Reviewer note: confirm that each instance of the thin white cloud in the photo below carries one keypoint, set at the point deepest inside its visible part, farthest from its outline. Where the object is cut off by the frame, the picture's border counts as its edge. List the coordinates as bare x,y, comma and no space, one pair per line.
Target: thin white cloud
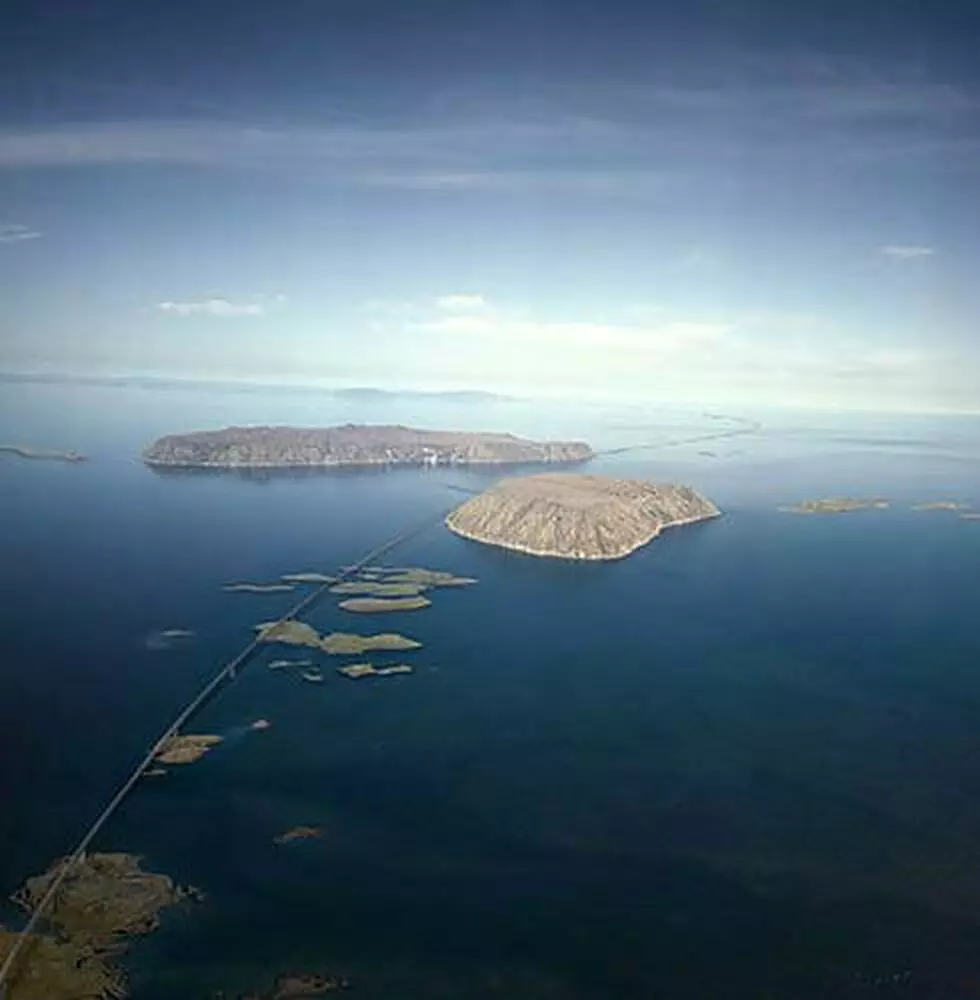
14,232
462,303
906,251
669,337
440,154
847,98
460,324
390,307
664,351
604,141
212,307
607,183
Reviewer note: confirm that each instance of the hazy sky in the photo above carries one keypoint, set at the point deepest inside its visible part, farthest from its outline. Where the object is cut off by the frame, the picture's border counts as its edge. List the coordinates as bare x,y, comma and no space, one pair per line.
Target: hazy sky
722,202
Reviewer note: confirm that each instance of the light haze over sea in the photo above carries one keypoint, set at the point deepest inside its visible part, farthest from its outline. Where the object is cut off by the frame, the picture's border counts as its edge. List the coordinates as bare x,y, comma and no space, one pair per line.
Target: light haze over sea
740,763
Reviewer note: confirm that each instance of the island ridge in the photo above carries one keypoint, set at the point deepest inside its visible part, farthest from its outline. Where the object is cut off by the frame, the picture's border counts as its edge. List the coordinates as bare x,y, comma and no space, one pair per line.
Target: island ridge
351,445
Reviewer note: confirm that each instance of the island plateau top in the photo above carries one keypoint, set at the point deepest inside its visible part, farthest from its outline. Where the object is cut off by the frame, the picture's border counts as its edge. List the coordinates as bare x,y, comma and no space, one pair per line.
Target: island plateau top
352,444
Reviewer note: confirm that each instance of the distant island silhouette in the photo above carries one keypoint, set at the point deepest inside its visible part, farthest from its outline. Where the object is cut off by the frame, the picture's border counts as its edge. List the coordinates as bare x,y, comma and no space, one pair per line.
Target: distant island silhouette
41,454
163,382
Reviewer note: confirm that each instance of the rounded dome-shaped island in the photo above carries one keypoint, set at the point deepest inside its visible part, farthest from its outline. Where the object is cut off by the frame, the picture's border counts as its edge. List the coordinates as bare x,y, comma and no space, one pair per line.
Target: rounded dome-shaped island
570,516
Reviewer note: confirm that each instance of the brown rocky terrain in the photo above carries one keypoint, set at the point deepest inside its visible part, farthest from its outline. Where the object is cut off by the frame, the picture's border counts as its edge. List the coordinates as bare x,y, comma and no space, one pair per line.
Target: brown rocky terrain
186,749
351,444
104,901
576,517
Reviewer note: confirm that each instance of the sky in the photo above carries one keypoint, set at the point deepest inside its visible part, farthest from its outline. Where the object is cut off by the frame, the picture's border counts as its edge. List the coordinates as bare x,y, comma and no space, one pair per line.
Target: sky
725,202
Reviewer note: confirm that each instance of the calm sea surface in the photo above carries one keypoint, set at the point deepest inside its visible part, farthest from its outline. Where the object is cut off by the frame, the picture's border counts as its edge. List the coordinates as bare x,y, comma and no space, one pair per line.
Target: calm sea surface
743,763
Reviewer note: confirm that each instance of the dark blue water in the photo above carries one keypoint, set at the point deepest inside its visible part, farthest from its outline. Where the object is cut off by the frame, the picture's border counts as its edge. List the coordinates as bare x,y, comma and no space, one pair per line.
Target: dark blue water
744,762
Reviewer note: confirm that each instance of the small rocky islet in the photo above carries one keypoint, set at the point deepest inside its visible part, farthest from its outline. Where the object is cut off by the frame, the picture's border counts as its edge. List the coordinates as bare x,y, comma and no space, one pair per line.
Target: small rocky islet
844,505
284,664
297,633
416,576
376,588
383,605
307,578
358,670
187,748
836,505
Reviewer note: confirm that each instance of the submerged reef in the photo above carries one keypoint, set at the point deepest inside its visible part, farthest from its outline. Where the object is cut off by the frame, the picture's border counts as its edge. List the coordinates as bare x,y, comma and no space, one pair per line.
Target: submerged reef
298,833
169,638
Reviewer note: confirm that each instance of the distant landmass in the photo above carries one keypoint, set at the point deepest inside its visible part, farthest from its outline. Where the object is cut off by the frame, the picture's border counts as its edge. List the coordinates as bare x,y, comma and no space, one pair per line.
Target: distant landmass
359,393
369,393
41,454
577,517
351,445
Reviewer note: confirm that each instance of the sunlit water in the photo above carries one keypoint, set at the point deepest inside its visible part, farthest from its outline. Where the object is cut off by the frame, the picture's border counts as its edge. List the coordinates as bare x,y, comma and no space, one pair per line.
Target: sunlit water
744,762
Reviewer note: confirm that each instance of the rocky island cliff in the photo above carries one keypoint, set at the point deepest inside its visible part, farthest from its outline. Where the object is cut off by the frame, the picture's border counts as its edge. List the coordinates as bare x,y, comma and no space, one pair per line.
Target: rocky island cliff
577,517
351,445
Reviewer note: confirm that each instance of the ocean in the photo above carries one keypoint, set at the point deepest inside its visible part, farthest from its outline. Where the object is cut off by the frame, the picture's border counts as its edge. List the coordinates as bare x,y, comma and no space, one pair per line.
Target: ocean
742,763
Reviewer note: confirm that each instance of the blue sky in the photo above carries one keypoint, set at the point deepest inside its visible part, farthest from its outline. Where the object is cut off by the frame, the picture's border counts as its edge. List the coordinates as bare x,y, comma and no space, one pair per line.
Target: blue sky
731,203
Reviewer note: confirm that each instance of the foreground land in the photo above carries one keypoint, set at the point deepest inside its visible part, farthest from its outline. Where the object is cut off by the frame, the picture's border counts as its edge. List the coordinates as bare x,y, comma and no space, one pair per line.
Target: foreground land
351,445
576,517
104,901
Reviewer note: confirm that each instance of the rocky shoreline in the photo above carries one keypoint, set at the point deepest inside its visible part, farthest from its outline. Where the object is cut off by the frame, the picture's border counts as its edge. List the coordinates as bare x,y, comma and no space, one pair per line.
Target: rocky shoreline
556,553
